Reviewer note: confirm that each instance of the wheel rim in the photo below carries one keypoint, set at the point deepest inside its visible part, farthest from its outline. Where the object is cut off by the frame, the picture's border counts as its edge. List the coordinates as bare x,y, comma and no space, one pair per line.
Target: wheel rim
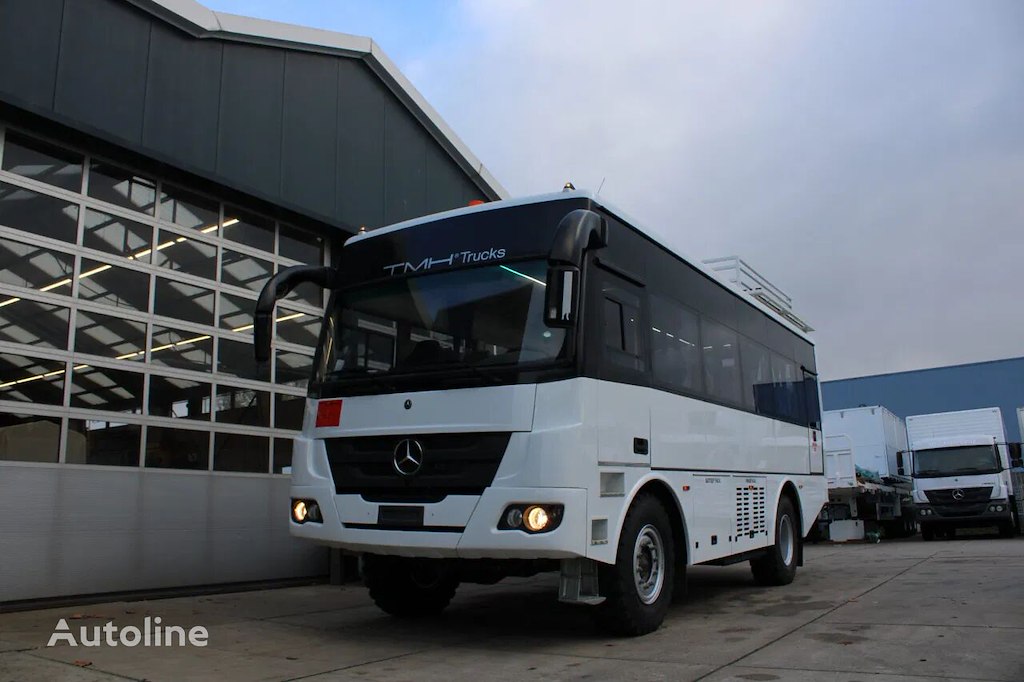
648,564
786,542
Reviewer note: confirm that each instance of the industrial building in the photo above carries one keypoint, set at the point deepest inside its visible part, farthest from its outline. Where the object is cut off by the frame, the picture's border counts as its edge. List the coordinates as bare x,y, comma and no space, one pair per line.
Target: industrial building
158,162
997,383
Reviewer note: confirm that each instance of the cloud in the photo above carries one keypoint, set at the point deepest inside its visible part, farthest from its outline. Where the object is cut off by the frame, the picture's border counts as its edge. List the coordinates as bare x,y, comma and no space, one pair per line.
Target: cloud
866,157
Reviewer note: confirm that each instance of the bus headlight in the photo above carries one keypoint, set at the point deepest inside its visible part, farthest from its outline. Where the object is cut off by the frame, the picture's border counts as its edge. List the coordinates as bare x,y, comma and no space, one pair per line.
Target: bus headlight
531,518
306,510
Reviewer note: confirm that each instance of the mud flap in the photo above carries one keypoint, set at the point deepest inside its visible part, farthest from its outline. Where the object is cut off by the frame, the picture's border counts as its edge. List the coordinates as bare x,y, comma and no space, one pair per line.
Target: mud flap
577,583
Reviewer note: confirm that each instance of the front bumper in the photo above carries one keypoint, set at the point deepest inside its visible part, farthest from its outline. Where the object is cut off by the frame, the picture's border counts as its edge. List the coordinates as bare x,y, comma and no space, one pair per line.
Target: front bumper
973,514
459,526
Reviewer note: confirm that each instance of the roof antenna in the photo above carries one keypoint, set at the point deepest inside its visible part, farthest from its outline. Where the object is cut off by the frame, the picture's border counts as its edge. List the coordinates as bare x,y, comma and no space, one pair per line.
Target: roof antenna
601,185
568,187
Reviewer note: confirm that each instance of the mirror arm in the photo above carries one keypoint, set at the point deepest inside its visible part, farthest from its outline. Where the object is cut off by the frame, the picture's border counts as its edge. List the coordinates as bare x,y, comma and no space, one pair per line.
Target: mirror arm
579,230
276,288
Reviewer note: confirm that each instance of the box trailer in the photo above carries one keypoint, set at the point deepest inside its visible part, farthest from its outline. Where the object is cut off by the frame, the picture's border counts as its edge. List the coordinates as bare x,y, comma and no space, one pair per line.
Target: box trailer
960,462
866,492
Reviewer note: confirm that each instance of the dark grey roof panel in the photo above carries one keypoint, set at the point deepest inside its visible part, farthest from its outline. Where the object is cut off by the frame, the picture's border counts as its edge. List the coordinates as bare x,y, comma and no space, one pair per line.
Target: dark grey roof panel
29,41
316,122
101,76
251,103
360,145
310,145
183,97
404,165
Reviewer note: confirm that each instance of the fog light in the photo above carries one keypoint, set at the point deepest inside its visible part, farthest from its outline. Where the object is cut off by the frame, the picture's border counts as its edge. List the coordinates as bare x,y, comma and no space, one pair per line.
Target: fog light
537,519
514,517
999,507
306,510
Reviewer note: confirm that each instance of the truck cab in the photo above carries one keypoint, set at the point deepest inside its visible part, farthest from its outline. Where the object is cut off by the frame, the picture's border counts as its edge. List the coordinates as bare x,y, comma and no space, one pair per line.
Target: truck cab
961,479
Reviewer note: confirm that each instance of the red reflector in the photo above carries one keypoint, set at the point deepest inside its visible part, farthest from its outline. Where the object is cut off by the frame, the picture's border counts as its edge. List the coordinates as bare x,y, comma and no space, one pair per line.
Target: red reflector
475,202
328,413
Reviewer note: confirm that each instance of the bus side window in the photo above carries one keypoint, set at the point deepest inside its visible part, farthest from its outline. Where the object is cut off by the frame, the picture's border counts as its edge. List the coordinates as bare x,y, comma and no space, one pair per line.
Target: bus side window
675,345
622,342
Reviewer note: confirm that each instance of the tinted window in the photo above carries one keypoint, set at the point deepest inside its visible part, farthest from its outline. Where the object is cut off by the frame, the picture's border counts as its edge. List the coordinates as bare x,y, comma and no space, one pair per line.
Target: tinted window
110,336
38,214
179,398
236,357
183,301
42,161
235,452
35,324
35,267
29,438
177,448
122,188
242,406
101,388
613,336
721,362
236,312
190,256
31,380
675,345
246,228
757,376
288,411
113,286
301,246
189,210
182,349
105,443
788,388
118,236
621,308
241,270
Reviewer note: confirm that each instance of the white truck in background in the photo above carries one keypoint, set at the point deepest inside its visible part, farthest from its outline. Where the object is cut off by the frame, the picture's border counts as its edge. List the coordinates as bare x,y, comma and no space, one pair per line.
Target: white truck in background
960,462
866,494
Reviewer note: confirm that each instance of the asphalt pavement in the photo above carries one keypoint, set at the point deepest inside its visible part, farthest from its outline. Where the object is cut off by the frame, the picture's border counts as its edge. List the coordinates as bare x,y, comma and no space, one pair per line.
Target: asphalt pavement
902,610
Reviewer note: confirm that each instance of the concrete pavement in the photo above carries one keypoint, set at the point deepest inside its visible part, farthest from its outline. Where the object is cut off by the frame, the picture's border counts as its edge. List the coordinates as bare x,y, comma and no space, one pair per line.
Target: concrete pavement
911,610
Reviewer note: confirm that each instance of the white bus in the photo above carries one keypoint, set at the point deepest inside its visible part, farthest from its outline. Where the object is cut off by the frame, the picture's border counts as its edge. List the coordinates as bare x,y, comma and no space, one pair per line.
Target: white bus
535,385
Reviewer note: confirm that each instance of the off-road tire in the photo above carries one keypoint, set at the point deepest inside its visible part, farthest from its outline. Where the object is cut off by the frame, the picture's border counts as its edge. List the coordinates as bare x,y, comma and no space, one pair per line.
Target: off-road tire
777,566
409,588
927,532
1008,529
624,611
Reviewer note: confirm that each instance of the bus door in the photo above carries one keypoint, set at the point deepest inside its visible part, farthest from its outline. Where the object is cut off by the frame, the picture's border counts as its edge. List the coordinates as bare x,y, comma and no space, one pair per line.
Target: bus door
624,416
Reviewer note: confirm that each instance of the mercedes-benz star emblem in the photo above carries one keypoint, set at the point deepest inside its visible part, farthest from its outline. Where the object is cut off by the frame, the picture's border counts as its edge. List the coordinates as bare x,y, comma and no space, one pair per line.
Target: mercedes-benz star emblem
408,457
958,494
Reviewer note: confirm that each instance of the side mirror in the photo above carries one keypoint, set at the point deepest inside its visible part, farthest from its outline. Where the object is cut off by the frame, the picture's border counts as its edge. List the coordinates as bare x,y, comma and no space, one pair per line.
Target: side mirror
276,288
1016,460
561,296
903,464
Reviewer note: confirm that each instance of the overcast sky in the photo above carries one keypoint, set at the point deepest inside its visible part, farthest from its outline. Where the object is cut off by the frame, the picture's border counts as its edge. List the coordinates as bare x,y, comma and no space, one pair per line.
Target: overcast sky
867,157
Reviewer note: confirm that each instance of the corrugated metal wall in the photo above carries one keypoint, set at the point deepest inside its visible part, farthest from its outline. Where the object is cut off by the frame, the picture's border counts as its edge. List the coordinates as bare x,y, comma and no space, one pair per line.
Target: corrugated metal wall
999,383
316,133
70,530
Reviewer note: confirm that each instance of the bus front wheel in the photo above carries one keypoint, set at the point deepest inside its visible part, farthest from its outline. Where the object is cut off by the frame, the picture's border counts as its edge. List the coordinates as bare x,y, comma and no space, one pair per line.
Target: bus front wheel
778,565
638,587
409,588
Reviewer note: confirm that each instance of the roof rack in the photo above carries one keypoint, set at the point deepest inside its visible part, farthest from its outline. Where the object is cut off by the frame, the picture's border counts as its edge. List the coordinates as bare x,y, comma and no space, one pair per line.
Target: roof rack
737,271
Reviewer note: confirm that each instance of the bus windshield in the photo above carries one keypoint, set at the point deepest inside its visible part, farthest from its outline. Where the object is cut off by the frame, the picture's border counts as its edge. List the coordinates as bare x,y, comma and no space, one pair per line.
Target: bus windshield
970,459
476,322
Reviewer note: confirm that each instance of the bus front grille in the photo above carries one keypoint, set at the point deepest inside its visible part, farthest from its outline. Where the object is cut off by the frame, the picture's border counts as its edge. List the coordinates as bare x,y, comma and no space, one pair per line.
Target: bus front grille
448,464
